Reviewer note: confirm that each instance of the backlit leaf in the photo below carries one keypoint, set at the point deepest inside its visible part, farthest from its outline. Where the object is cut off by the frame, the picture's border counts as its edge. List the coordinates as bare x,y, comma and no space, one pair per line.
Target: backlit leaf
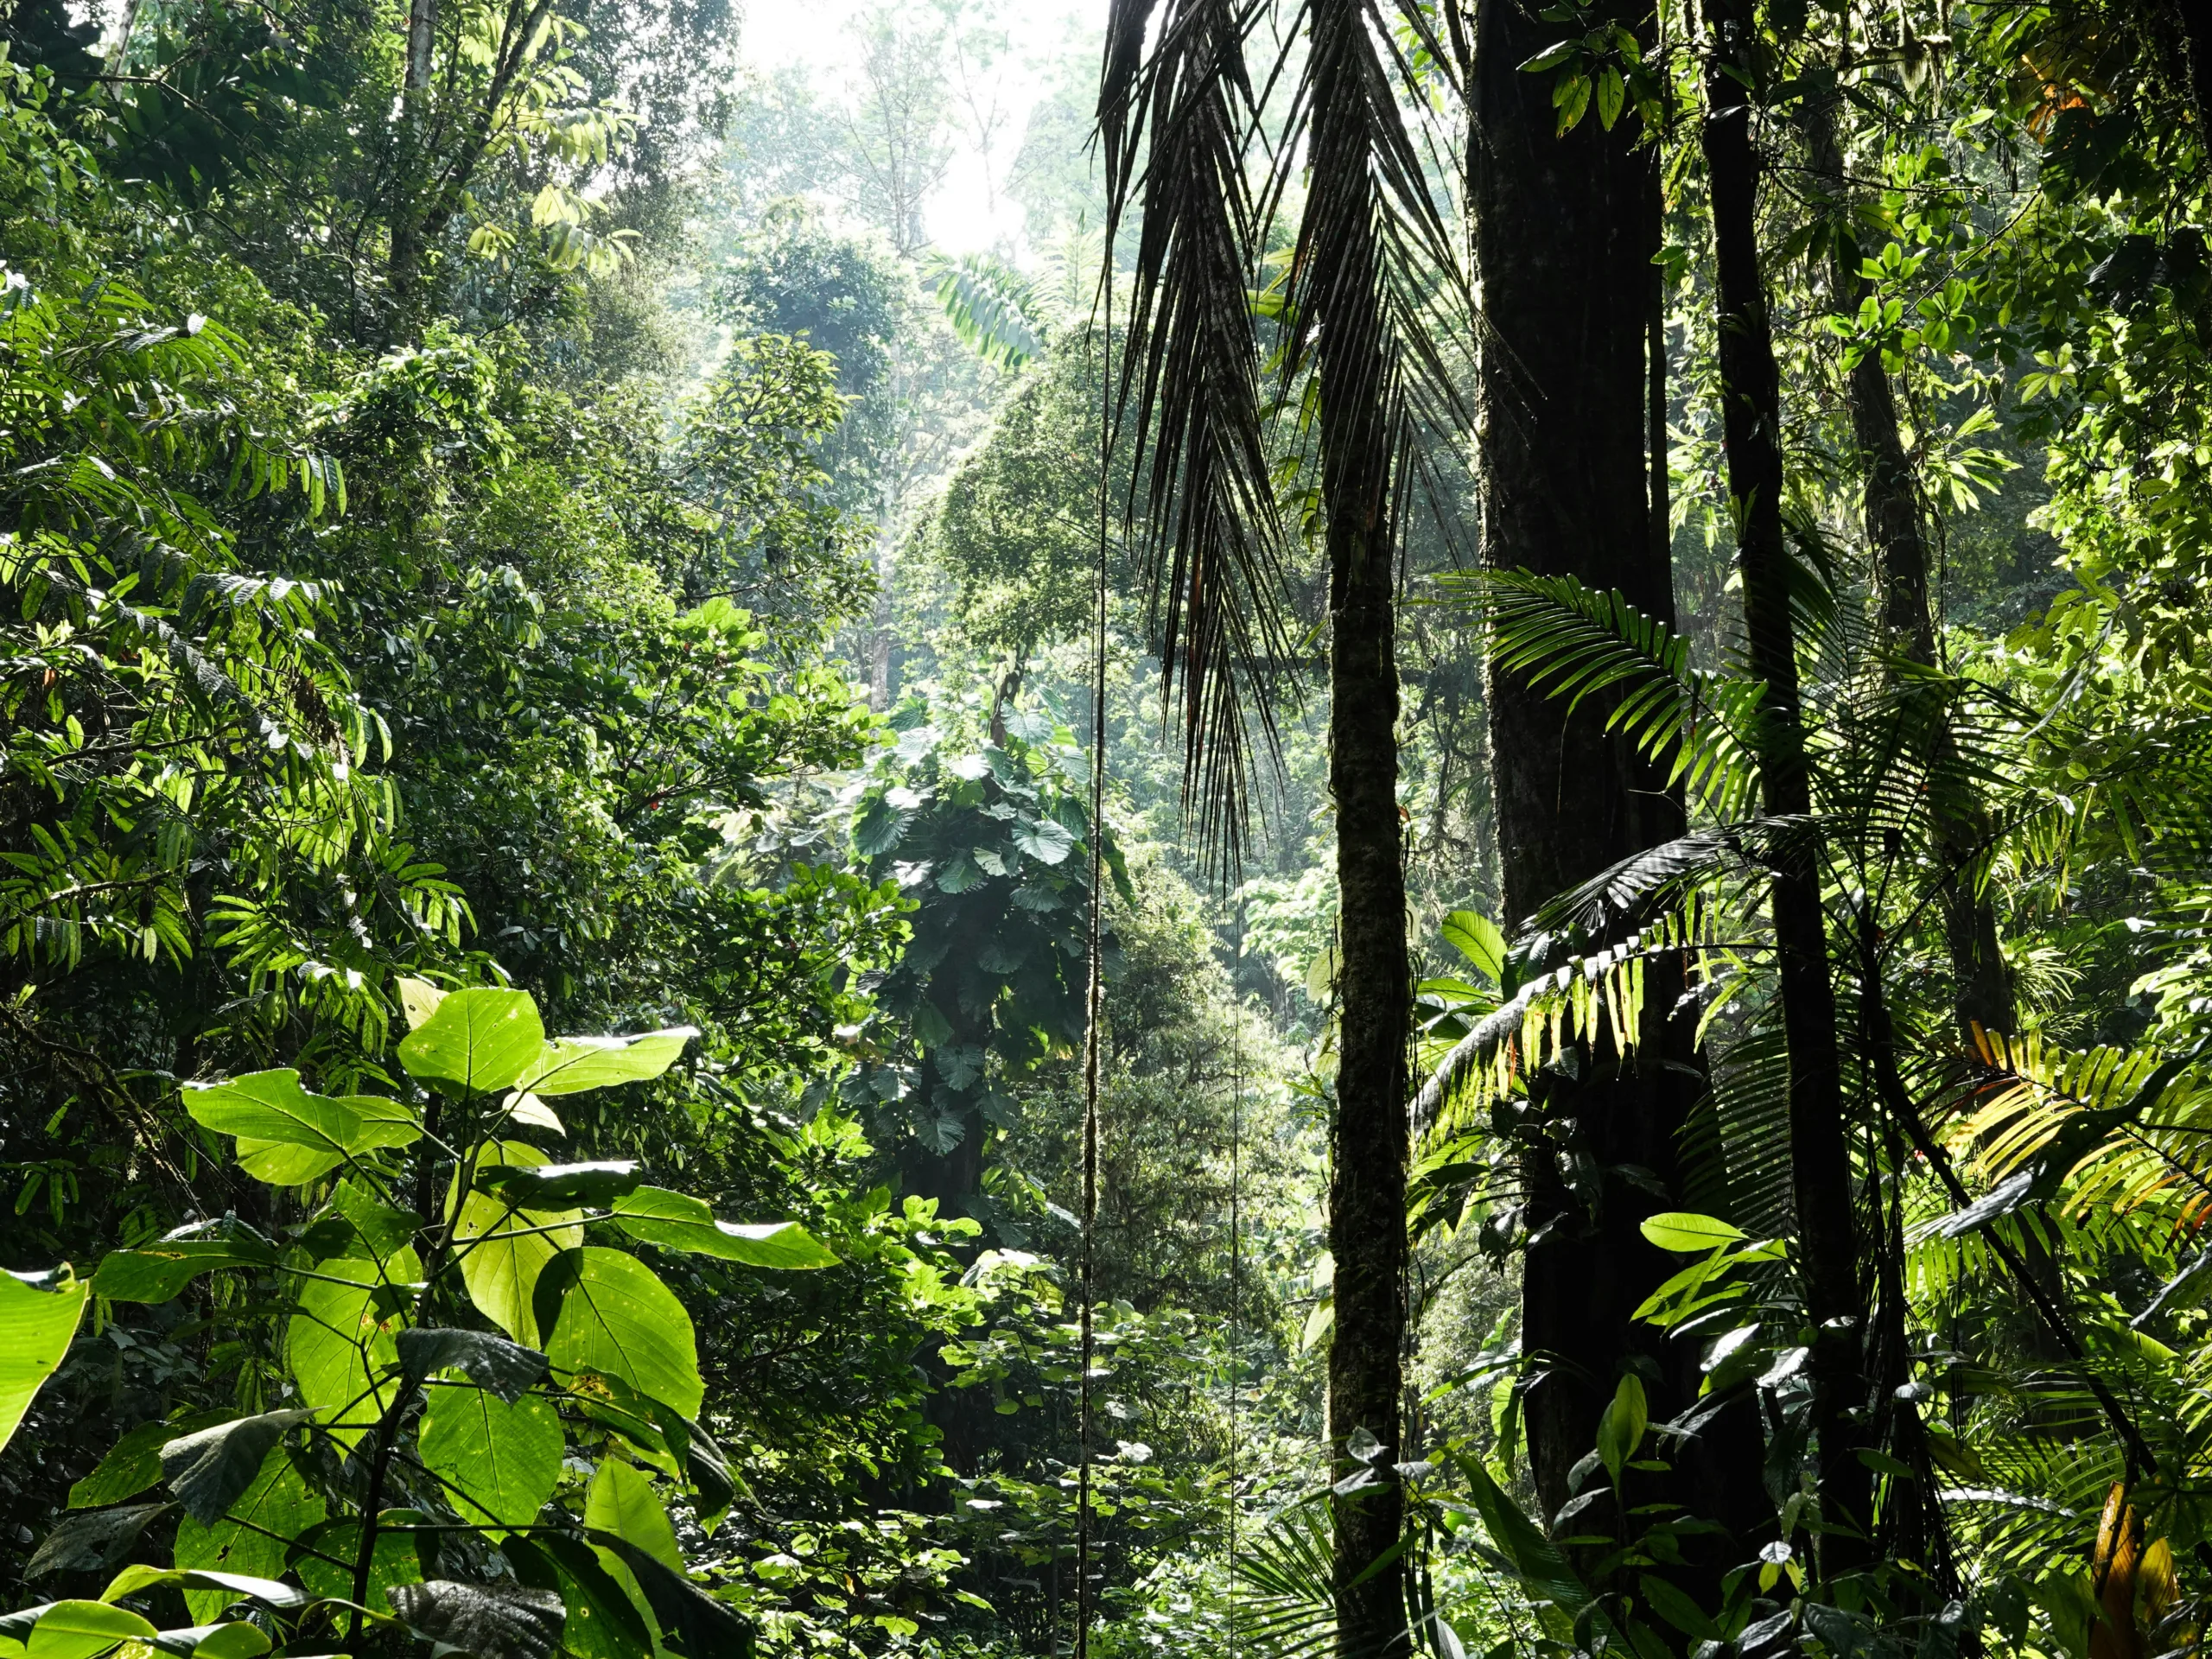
677,1220
38,1318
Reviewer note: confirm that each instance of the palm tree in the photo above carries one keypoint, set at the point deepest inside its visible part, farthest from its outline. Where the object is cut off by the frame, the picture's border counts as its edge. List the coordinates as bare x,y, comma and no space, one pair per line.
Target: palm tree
1177,121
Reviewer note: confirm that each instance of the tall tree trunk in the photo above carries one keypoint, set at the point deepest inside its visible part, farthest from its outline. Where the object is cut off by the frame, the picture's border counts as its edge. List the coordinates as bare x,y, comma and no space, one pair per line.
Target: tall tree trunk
1367,1188
1570,444
1820,1156
407,212
1982,984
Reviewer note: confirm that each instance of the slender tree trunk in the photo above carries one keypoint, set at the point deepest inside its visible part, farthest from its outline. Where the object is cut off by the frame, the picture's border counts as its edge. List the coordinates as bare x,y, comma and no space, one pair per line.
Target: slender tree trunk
1982,984
1571,456
1657,397
1367,1186
1752,428
406,262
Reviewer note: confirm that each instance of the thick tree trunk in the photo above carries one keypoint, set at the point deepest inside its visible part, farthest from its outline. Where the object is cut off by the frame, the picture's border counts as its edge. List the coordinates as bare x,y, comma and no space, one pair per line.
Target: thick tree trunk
1367,1186
1570,458
1752,428
1982,984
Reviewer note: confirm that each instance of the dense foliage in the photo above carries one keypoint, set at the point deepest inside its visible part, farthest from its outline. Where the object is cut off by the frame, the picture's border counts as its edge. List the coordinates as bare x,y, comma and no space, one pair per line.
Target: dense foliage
1649,902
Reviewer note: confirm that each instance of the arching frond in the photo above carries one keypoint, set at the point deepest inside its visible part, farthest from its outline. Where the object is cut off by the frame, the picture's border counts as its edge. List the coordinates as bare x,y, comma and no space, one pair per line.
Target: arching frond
1579,643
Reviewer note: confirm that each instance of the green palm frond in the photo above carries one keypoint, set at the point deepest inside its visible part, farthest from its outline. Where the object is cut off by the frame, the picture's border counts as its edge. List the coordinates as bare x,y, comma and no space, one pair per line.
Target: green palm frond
1174,123
998,312
2115,1129
1287,1600
1577,642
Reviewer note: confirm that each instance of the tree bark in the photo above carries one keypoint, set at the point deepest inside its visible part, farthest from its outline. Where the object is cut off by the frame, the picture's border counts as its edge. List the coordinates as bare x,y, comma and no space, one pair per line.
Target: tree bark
1750,394
406,261
1982,984
1367,1186
1571,457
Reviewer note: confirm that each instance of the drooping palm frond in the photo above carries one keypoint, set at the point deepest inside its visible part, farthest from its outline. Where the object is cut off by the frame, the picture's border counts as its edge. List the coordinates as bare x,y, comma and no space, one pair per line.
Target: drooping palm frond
1358,349
1174,124
998,312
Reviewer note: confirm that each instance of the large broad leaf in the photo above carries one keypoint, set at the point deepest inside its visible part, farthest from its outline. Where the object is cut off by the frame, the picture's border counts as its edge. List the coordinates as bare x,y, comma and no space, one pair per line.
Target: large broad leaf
622,1501
38,1318
287,1135
604,1623
157,1272
1043,840
397,1560
208,1471
477,1042
134,1463
240,1586
1479,939
507,1369
252,1538
677,1220
418,1000
616,1319
71,1630
696,1623
340,1339
569,1065
502,1252
275,1163
503,1460
553,1186
93,1540
487,1621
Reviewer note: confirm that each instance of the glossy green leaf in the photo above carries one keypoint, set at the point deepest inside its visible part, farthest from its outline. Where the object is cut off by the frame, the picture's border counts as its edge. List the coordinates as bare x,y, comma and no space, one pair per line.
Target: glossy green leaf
240,1587
621,1500
237,1641
287,1135
397,1560
339,1340
80,1629
617,1318
207,1470
38,1319
677,1220
275,1163
569,1065
475,1042
502,1460
251,1538
604,1621
1478,939
502,1255
158,1273
418,1000
1679,1230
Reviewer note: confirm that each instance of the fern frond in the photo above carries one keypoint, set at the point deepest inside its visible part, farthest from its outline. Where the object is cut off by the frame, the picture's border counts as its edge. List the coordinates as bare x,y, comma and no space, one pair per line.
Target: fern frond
1576,642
